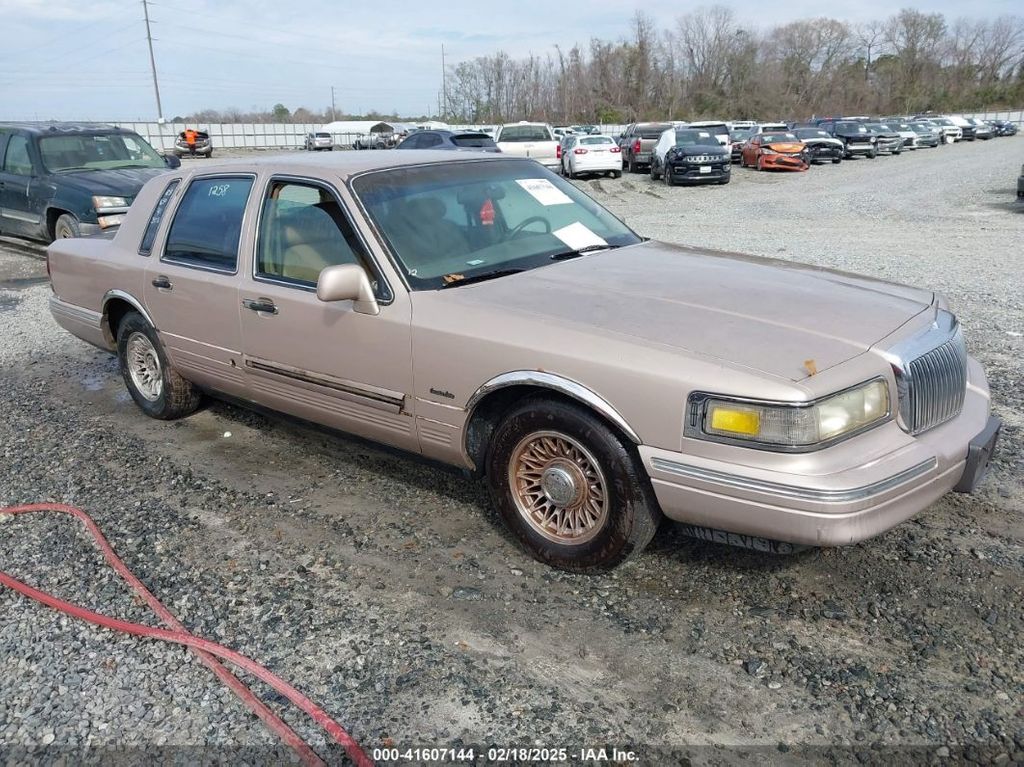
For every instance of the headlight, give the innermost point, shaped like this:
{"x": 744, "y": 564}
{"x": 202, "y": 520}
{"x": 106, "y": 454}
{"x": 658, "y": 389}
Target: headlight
{"x": 789, "y": 426}
{"x": 766, "y": 150}
{"x": 100, "y": 203}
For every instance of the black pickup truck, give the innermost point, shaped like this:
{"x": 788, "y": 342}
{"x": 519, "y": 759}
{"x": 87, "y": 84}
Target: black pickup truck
{"x": 857, "y": 139}
{"x": 70, "y": 180}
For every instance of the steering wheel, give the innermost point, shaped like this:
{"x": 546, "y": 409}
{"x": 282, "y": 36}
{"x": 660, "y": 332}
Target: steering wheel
{"x": 518, "y": 229}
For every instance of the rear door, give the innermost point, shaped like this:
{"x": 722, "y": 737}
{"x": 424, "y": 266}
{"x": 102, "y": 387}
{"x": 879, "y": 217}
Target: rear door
{"x": 323, "y": 361}
{"x": 191, "y": 291}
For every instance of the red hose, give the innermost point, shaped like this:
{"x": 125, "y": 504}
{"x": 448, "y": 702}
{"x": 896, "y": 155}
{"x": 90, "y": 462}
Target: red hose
{"x": 207, "y": 651}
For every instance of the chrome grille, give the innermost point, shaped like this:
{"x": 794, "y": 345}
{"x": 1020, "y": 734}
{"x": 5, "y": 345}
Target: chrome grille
{"x": 936, "y": 383}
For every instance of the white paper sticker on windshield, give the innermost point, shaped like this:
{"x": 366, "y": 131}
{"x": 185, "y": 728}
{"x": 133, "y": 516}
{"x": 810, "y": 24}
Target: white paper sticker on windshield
{"x": 543, "y": 191}
{"x": 577, "y": 237}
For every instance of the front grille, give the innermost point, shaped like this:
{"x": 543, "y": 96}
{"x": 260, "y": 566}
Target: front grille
{"x": 936, "y": 383}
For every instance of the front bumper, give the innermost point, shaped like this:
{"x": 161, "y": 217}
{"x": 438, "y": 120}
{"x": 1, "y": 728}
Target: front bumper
{"x": 783, "y": 162}
{"x": 690, "y": 173}
{"x": 825, "y": 153}
{"x": 861, "y": 148}
{"x": 841, "y": 495}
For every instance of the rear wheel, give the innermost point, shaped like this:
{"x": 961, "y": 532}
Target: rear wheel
{"x": 616, "y": 174}
{"x": 67, "y": 226}
{"x": 633, "y": 166}
{"x": 157, "y": 388}
{"x": 571, "y": 490}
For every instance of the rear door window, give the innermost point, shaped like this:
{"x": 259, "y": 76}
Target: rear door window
{"x": 208, "y": 223}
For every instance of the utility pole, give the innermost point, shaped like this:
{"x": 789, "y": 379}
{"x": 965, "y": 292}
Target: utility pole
{"x": 333, "y": 116}
{"x": 152, "y": 62}
{"x": 444, "y": 87}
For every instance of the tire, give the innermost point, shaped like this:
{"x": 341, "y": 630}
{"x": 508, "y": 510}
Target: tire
{"x": 758, "y": 163}
{"x": 655, "y": 175}
{"x": 633, "y": 166}
{"x": 872, "y": 154}
{"x": 616, "y": 174}
{"x": 670, "y": 178}
{"x": 67, "y": 226}
{"x": 142, "y": 359}
{"x": 836, "y": 160}
{"x": 571, "y": 447}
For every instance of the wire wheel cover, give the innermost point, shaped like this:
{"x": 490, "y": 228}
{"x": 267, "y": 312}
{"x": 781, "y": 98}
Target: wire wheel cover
{"x": 558, "y": 487}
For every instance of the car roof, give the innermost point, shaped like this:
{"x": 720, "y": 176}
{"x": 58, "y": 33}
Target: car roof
{"x": 347, "y": 163}
{"x": 60, "y": 128}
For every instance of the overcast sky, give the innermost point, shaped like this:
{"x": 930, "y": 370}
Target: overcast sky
{"x": 87, "y": 59}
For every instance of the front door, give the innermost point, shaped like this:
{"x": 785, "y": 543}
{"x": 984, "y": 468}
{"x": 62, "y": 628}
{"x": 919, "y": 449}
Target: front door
{"x": 191, "y": 291}
{"x": 20, "y": 213}
{"x": 322, "y": 361}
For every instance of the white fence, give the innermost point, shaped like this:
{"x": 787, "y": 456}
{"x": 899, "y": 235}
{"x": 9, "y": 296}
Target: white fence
{"x": 292, "y": 135}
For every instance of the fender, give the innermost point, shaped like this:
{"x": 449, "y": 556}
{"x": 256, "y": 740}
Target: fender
{"x": 127, "y": 298}
{"x": 566, "y": 386}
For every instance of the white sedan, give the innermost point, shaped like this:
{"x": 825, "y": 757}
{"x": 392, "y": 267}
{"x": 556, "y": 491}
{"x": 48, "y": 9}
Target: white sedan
{"x": 591, "y": 154}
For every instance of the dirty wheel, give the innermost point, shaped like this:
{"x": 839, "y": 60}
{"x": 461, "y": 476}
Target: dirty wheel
{"x": 655, "y": 173}
{"x": 66, "y": 226}
{"x": 154, "y": 385}
{"x": 759, "y": 163}
{"x": 670, "y": 179}
{"x": 571, "y": 490}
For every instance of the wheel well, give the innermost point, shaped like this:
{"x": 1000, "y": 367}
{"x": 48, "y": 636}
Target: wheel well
{"x": 51, "y": 220}
{"x": 490, "y": 411}
{"x": 113, "y": 312}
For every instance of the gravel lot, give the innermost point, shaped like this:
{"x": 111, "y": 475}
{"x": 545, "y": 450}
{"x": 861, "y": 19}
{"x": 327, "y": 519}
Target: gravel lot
{"x": 387, "y": 589}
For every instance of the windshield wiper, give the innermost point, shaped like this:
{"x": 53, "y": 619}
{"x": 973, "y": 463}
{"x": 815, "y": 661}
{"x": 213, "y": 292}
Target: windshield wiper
{"x": 455, "y": 280}
{"x": 581, "y": 251}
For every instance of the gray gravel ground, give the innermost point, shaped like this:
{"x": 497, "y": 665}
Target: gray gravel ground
{"x": 387, "y": 589}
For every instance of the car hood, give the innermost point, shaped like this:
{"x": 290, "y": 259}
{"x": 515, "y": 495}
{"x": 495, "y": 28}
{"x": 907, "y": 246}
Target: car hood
{"x": 763, "y": 314}
{"x": 822, "y": 141}
{"x": 125, "y": 182}
{"x": 788, "y": 147}
{"x": 700, "y": 149}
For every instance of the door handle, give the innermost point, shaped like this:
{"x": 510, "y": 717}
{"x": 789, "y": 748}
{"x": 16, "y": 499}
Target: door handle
{"x": 261, "y": 305}
{"x": 163, "y": 283}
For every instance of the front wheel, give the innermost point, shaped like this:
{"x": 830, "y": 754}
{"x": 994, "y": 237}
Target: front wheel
{"x": 836, "y": 160}
{"x": 571, "y": 490}
{"x": 872, "y": 154}
{"x": 66, "y": 227}
{"x": 616, "y": 174}
{"x": 655, "y": 174}
{"x": 670, "y": 179}
{"x": 157, "y": 388}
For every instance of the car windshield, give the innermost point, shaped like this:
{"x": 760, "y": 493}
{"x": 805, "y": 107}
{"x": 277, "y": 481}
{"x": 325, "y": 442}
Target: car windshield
{"x": 473, "y": 140}
{"x": 454, "y": 221}
{"x": 517, "y": 133}
{"x": 740, "y": 134}
{"x": 97, "y": 151}
{"x": 812, "y": 133}
{"x": 695, "y": 138}
{"x": 323, "y": 135}
{"x": 720, "y": 129}
{"x": 772, "y": 138}
{"x": 921, "y": 127}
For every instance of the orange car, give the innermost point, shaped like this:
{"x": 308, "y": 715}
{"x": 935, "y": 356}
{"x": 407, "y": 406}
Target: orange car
{"x": 775, "y": 150}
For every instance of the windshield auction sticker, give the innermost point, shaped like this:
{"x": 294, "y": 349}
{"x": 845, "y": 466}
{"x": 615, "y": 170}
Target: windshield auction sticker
{"x": 577, "y": 237}
{"x": 543, "y": 191}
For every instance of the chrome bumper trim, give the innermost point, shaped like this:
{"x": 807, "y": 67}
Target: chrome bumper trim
{"x": 791, "y": 491}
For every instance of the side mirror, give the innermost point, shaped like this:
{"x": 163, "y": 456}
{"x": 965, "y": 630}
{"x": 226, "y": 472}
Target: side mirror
{"x": 347, "y": 282}
{"x": 172, "y": 161}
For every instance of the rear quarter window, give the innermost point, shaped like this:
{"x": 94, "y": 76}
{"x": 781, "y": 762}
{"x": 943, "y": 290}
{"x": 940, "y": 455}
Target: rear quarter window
{"x": 149, "y": 236}
{"x": 208, "y": 223}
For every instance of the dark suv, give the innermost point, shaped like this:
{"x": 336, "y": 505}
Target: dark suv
{"x": 67, "y": 180}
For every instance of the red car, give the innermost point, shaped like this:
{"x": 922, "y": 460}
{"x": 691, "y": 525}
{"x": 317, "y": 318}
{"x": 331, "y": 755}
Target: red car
{"x": 775, "y": 150}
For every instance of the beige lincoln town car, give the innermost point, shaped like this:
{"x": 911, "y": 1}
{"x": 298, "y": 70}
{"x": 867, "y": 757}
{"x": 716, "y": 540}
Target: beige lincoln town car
{"x": 483, "y": 312}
